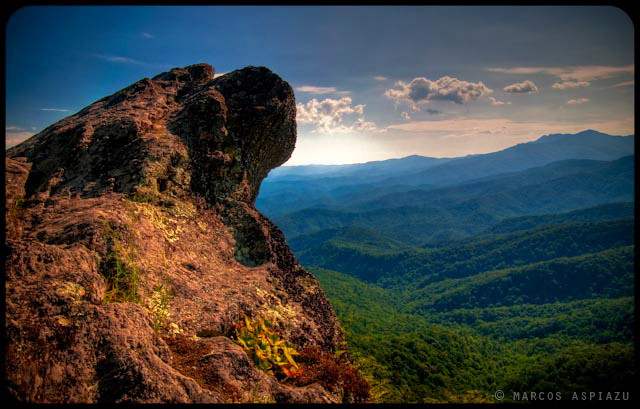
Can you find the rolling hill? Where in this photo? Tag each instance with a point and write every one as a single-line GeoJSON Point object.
{"type": "Point", "coordinates": [453, 278]}
{"type": "Point", "coordinates": [463, 210]}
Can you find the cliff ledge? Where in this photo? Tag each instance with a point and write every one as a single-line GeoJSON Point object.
{"type": "Point", "coordinates": [147, 195]}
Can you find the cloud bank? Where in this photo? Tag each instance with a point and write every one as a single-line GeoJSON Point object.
{"type": "Point", "coordinates": [459, 137]}
{"type": "Point", "coordinates": [525, 87]}
{"type": "Point", "coordinates": [578, 73]}
{"type": "Point", "coordinates": [15, 136]}
{"type": "Point", "coordinates": [320, 90]}
{"type": "Point", "coordinates": [54, 110]}
{"type": "Point", "coordinates": [578, 101]}
{"type": "Point", "coordinates": [328, 116]}
{"type": "Point", "coordinates": [570, 84]}
{"type": "Point", "coordinates": [495, 102]}
{"type": "Point", "coordinates": [118, 59]}
{"type": "Point", "coordinates": [507, 128]}
{"type": "Point", "coordinates": [422, 90]}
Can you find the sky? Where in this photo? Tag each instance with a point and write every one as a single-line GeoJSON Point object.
{"type": "Point", "coordinates": [371, 82]}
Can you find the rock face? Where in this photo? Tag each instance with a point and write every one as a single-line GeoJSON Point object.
{"type": "Point", "coordinates": [145, 194]}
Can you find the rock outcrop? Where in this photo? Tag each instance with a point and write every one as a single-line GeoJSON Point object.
{"type": "Point", "coordinates": [149, 194]}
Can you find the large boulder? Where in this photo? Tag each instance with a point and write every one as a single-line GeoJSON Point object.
{"type": "Point", "coordinates": [147, 195]}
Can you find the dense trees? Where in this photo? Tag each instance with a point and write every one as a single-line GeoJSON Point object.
{"type": "Point", "coordinates": [466, 354]}
{"type": "Point", "coordinates": [606, 274]}
{"type": "Point", "coordinates": [373, 257]}
{"type": "Point", "coordinates": [548, 308]}
{"type": "Point", "coordinates": [451, 287]}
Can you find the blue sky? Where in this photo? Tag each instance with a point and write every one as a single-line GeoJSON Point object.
{"type": "Point", "coordinates": [371, 82]}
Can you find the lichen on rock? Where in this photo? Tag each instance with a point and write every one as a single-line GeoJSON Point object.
{"type": "Point", "coordinates": [173, 164]}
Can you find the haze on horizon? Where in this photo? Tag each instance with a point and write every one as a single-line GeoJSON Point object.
{"type": "Point", "coordinates": [426, 80]}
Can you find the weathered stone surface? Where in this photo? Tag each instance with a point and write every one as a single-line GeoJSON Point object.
{"type": "Point", "coordinates": [169, 169]}
{"type": "Point", "coordinates": [227, 369]}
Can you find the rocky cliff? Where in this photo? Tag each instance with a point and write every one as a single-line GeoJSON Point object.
{"type": "Point", "coordinates": [133, 250]}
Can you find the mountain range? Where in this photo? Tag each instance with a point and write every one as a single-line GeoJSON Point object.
{"type": "Point", "coordinates": [288, 189]}
{"type": "Point", "coordinates": [523, 259]}
{"type": "Point", "coordinates": [417, 216]}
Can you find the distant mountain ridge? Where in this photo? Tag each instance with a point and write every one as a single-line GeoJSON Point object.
{"type": "Point", "coordinates": [587, 134]}
{"type": "Point", "coordinates": [454, 212]}
{"type": "Point", "coordinates": [600, 146]}
{"type": "Point", "coordinates": [288, 189]}
{"type": "Point", "coordinates": [373, 168]}
{"type": "Point", "coordinates": [588, 144]}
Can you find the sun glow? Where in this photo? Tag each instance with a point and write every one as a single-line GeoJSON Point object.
{"type": "Point", "coordinates": [337, 149]}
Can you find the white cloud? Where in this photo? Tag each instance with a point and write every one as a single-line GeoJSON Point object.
{"type": "Point", "coordinates": [454, 125]}
{"type": "Point", "coordinates": [579, 73]}
{"type": "Point", "coordinates": [624, 84]}
{"type": "Point", "coordinates": [430, 111]}
{"type": "Point", "coordinates": [525, 87]}
{"type": "Point", "coordinates": [54, 109]}
{"type": "Point", "coordinates": [118, 59]}
{"type": "Point", "coordinates": [321, 90]}
{"type": "Point", "coordinates": [218, 74]}
{"type": "Point", "coordinates": [495, 102]}
{"type": "Point", "coordinates": [379, 78]}
{"type": "Point", "coordinates": [577, 101]}
{"type": "Point", "coordinates": [328, 116]}
{"type": "Point", "coordinates": [147, 35]}
{"type": "Point", "coordinates": [570, 84]}
{"type": "Point", "coordinates": [422, 90]}
{"type": "Point", "coordinates": [363, 126]}
{"type": "Point", "coordinates": [13, 128]}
